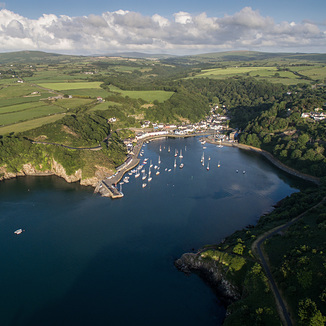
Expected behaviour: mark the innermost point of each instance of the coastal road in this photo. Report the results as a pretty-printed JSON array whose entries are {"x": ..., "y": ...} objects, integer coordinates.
[{"x": 257, "y": 249}]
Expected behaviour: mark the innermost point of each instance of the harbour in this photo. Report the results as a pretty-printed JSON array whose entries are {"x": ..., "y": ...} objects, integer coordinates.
[{"x": 104, "y": 257}]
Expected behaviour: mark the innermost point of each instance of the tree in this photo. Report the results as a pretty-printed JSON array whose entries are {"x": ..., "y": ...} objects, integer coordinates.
[{"x": 309, "y": 314}]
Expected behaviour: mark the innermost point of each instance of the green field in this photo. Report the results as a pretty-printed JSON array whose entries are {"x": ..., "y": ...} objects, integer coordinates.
[
  {"x": 88, "y": 92},
  {"x": 36, "y": 112},
  {"x": 148, "y": 96},
  {"x": 72, "y": 85},
  {"x": 104, "y": 106},
  {"x": 272, "y": 74},
  {"x": 18, "y": 107},
  {"x": 31, "y": 124},
  {"x": 17, "y": 90},
  {"x": 73, "y": 103}
]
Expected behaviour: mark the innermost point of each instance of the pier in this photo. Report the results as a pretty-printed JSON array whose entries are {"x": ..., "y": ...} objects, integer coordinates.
[{"x": 108, "y": 186}]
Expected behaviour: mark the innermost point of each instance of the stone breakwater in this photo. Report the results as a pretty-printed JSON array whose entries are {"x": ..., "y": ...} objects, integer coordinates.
[{"x": 212, "y": 273}]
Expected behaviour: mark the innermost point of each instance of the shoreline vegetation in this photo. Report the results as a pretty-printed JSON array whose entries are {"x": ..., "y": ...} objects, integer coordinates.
[{"x": 28, "y": 169}]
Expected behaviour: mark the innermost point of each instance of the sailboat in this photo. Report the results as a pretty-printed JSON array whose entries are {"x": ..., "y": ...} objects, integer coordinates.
[
  {"x": 219, "y": 164},
  {"x": 160, "y": 148},
  {"x": 144, "y": 176},
  {"x": 149, "y": 175},
  {"x": 151, "y": 164},
  {"x": 207, "y": 168},
  {"x": 180, "y": 154},
  {"x": 202, "y": 158},
  {"x": 159, "y": 159},
  {"x": 175, "y": 153},
  {"x": 169, "y": 149},
  {"x": 175, "y": 163}
]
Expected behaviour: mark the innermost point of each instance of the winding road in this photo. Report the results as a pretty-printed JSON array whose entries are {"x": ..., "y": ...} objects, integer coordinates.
[{"x": 257, "y": 250}]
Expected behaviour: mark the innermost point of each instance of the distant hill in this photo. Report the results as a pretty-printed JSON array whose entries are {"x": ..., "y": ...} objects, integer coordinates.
[
  {"x": 35, "y": 57},
  {"x": 140, "y": 55},
  {"x": 254, "y": 56}
]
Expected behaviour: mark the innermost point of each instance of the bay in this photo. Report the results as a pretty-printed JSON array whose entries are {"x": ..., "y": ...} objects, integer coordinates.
[{"x": 88, "y": 260}]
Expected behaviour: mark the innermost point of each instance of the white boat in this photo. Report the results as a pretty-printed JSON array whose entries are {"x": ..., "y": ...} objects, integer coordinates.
[
  {"x": 202, "y": 158},
  {"x": 159, "y": 159},
  {"x": 203, "y": 142},
  {"x": 19, "y": 231},
  {"x": 181, "y": 165},
  {"x": 218, "y": 164},
  {"x": 220, "y": 145},
  {"x": 175, "y": 163},
  {"x": 151, "y": 164},
  {"x": 165, "y": 169},
  {"x": 169, "y": 170},
  {"x": 149, "y": 179},
  {"x": 137, "y": 175},
  {"x": 175, "y": 153},
  {"x": 155, "y": 167},
  {"x": 160, "y": 148},
  {"x": 144, "y": 185},
  {"x": 157, "y": 172},
  {"x": 209, "y": 158},
  {"x": 207, "y": 168},
  {"x": 125, "y": 180},
  {"x": 180, "y": 154},
  {"x": 169, "y": 149}
]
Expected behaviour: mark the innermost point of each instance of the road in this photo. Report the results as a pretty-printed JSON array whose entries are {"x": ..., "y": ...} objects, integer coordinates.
[{"x": 257, "y": 250}]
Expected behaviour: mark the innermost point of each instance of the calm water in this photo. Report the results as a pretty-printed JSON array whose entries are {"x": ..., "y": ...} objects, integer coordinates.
[{"x": 87, "y": 260}]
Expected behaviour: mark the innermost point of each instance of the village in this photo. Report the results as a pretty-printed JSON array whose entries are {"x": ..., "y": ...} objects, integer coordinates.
[{"x": 215, "y": 123}]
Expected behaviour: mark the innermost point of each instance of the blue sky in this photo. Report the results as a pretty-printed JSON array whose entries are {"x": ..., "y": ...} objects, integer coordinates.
[
  {"x": 293, "y": 10},
  {"x": 177, "y": 27}
]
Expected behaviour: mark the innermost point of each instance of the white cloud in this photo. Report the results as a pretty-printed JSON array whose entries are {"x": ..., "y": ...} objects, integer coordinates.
[{"x": 131, "y": 31}]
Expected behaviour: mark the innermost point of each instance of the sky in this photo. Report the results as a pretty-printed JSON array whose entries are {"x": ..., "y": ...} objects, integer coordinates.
[{"x": 173, "y": 27}]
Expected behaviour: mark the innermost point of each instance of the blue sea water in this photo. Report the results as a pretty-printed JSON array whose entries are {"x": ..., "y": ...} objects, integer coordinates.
[{"x": 88, "y": 260}]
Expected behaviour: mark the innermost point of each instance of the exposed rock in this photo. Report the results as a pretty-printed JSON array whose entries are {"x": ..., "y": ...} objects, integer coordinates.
[
  {"x": 212, "y": 273},
  {"x": 59, "y": 170}
]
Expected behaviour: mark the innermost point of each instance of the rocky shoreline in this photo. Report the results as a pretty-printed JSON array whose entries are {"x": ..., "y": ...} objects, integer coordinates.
[
  {"x": 212, "y": 273},
  {"x": 58, "y": 170}
]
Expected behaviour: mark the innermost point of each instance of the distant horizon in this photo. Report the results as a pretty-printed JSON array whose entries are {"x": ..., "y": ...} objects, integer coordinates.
[{"x": 161, "y": 54}]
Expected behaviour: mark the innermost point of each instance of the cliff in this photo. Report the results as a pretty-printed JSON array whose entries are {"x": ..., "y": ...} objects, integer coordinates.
[
  {"x": 212, "y": 273},
  {"x": 58, "y": 170}
]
